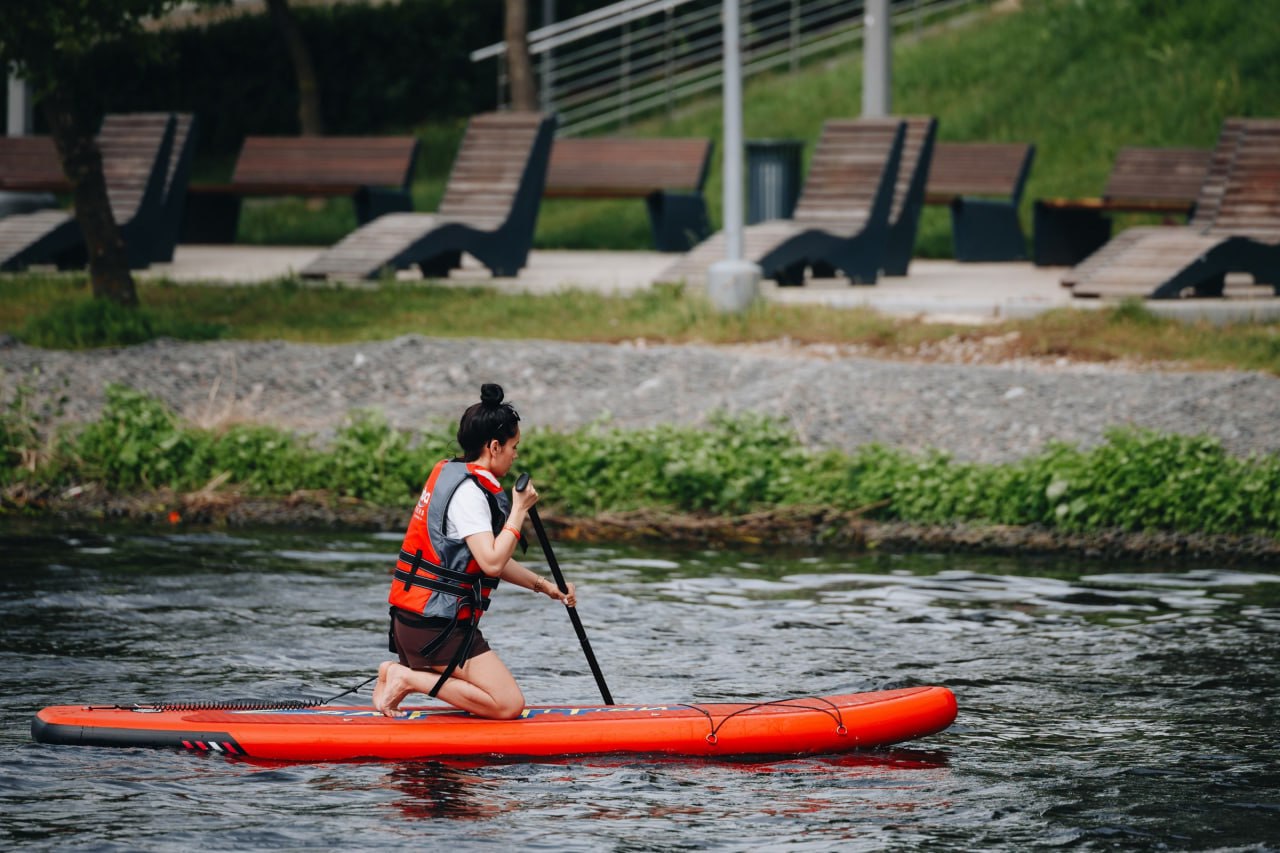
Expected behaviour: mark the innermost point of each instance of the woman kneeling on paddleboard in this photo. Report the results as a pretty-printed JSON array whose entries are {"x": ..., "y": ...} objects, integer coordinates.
[{"x": 460, "y": 543}]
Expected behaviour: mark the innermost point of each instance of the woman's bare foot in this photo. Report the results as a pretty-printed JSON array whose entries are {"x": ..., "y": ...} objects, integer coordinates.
[
  {"x": 380, "y": 686},
  {"x": 395, "y": 686}
]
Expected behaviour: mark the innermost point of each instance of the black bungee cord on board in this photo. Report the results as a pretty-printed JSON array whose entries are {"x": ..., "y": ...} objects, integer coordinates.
[{"x": 298, "y": 704}]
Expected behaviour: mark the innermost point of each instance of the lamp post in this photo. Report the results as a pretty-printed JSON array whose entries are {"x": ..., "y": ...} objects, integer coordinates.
[
  {"x": 877, "y": 65},
  {"x": 732, "y": 283}
]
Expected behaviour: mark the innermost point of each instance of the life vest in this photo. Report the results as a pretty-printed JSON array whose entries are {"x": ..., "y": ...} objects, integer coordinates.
[{"x": 436, "y": 576}]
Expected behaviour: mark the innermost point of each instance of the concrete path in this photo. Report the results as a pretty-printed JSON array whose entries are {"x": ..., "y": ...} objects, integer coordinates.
[{"x": 940, "y": 290}]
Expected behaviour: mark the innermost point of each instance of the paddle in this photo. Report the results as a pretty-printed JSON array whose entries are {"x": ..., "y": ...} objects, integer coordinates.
[{"x": 521, "y": 484}]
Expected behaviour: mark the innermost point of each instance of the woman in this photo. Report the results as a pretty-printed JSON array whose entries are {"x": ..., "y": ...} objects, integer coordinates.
[{"x": 459, "y": 544}]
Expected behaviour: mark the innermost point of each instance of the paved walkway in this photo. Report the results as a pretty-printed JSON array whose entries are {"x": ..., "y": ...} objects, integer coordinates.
[{"x": 935, "y": 289}]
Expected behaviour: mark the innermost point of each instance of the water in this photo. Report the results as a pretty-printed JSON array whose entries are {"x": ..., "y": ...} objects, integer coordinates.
[{"x": 1101, "y": 706}]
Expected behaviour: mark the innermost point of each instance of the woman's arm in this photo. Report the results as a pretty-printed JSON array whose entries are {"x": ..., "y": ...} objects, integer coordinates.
[
  {"x": 522, "y": 575},
  {"x": 492, "y": 553}
]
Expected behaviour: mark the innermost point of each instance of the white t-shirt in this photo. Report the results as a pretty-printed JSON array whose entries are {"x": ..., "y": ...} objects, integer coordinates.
[{"x": 468, "y": 512}]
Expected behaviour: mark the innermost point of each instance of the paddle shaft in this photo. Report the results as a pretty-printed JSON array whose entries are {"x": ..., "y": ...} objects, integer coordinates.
[{"x": 564, "y": 588}]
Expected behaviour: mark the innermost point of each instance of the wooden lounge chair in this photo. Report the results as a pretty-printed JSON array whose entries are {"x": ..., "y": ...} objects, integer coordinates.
[
  {"x": 135, "y": 158},
  {"x": 1235, "y": 229},
  {"x": 1205, "y": 208},
  {"x": 841, "y": 219},
  {"x": 1163, "y": 181},
  {"x": 489, "y": 209},
  {"x": 982, "y": 183}
]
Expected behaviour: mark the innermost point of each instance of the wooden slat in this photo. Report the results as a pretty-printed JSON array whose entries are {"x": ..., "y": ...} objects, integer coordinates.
[
  {"x": 976, "y": 169},
  {"x": 31, "y": 163},
  {"x": 624, "y": 167},
  {"x": 1250, "y": 204},
  {"x": 489, "y": 168},
  {"x": 307, "y": 165},
  {"x": 912, "y": 148},
  {"x": 1142, "y": 174},
  {"x": 845, "y": 171}
]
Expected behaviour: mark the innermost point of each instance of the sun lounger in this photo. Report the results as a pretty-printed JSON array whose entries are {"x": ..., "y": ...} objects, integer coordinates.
[
  {"x": 841, "y": 219},
  {"x": 1235, "y": 229},
  {"x": 489, "y": 209},
  {"x": 135, "y": 158}
]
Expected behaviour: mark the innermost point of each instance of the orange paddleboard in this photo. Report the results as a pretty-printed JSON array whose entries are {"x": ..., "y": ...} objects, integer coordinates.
[{"x": 806, "y": 725}]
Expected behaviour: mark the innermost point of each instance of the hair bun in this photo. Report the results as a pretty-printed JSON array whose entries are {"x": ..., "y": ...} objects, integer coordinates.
[{"x": 491, "y": 394}]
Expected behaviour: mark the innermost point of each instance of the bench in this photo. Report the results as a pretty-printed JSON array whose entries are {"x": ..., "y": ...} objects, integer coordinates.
[
  {"x": 31, "y": 164},
  {"x": 982, "y": 183},
  {"x": 1162, "y": 181},
  {"x": 668, "y": 174},
  {"x": 375, "y": 172}
]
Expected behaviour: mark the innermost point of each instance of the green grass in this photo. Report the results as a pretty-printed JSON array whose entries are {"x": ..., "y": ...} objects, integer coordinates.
[
  {"x": 1080, "y": 78},
  {"x": 49, "y": 310}
]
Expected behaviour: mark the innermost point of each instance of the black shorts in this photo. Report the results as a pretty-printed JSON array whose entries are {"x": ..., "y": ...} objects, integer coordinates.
[{"x": 412, "y": 638}]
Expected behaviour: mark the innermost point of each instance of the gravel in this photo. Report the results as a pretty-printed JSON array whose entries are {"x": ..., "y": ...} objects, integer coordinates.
[{"x": 978, "y": 412}]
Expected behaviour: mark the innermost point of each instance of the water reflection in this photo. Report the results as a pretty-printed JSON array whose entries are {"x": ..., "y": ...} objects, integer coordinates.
[{"x": 429, "y": 790}]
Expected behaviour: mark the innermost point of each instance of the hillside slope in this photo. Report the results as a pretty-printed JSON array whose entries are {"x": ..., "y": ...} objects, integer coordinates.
[{"x": 1080, "y": 78}]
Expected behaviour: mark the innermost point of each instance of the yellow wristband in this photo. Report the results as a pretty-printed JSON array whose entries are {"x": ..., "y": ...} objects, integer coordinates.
[{"x": 514, "y": 531}]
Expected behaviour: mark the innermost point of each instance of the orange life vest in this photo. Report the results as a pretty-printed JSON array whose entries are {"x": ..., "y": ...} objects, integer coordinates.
[{"x": 436, "y": 576}]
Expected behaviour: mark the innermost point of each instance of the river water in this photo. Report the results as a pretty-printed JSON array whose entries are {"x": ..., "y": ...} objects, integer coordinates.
[{"x": 1101, "y": 706}]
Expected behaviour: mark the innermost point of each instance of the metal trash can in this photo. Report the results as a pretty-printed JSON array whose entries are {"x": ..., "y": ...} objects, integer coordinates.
[{"x": 773, "y": 178}]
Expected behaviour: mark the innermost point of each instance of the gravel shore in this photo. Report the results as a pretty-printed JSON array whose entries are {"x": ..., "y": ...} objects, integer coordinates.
[{"x": 982, "y": 412}]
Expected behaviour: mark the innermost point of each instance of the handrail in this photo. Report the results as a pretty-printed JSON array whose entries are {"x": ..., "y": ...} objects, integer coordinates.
[
  {"x": 608, "y": 66},
  {"x": 580, "y": 26}
]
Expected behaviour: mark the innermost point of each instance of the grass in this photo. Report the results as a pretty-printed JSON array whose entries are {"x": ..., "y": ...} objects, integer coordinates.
[
  {"x": 289, "y": 310},
  {"x": 1080, "y": 78}
]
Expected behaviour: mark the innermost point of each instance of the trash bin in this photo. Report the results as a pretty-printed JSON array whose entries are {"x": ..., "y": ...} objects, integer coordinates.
[{"x": 773, "y": 178}]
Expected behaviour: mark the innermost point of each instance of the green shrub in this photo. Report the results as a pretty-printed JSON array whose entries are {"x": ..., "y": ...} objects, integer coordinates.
[{"x": 1135, "y": 480}]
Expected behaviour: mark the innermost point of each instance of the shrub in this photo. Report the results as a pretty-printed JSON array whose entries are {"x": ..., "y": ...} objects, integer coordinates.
[{"x": 1135, "y": 480}]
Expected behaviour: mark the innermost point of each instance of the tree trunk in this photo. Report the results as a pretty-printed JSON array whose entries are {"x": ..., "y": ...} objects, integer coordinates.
[
  {"x": 304, "y": 71},
  {"x": 82, "y": 163},
  {"x": 519, "y": 66}
]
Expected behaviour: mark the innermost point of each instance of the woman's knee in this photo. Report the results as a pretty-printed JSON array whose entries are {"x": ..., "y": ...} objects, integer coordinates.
[{"x": 508, "y": 704}]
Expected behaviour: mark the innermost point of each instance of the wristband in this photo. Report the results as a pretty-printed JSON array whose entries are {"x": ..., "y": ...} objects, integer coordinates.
[{"x": 514, "y": 531}]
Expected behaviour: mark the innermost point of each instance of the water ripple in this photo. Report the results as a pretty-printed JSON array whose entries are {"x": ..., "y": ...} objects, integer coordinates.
[{"x": 1102, "y": 707}]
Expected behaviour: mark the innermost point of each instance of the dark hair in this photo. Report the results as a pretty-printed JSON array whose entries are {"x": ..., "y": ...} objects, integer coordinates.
[{"x": 484, "y": 421}]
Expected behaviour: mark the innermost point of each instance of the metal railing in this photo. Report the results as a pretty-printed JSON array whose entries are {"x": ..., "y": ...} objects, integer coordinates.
[{"x": 627, "y": 60}]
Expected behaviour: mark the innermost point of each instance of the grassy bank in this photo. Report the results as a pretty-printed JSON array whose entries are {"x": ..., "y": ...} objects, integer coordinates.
[
  {"x": 56, "y": 311},
  {"x": 1080, "y": 78},
  {"x": 1136, "y": 481}
]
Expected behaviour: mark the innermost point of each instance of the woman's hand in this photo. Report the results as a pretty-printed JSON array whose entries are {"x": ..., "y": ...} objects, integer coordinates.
[
  {"x": 522, "y": 501},
  {"x": 541, "y": 584}
]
